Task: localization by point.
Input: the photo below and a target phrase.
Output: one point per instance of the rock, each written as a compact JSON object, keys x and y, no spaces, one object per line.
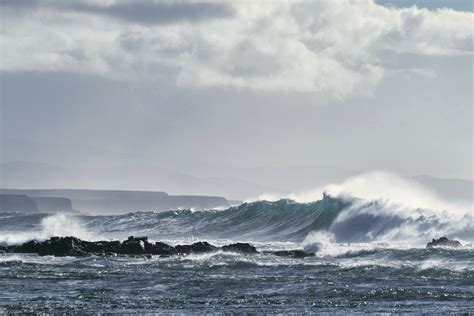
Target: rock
{"x":160,"y":248}
{"x":292,"y":253}
{"x":443,"y":242}
{"x":240,"y":248}
{"x":197,"y":247}
{"x":134,"y":246}
{"x":67,"y":246}
{"x":104,"y":247}
{"x":30,"y":246}
{"x":72,"y":246}
{"x":56,"y":246}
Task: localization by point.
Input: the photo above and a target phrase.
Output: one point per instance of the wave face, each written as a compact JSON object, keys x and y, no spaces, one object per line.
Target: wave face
{"x":384,"y":222}
{"x":284,"y":220}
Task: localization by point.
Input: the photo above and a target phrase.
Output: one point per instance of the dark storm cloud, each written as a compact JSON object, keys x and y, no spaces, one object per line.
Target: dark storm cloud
{"x":142,"y":12}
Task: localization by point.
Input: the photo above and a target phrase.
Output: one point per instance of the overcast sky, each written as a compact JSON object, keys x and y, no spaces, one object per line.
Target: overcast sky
{"x":358,"y":85}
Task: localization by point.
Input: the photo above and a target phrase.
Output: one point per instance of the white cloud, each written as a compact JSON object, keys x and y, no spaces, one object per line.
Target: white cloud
{"x":328,"y":47}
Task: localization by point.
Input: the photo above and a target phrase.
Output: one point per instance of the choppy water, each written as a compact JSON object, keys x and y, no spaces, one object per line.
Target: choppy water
{"x":370,"y":256}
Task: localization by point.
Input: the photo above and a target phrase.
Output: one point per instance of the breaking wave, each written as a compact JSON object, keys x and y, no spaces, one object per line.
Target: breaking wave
{"x":18,"y":228}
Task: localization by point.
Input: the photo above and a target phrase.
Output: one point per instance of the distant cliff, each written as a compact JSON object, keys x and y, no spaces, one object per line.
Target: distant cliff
{"x":17,"y":203}
{"x":112,"y":201}
{"x":22,"y":203}
{"x":53,"y":204}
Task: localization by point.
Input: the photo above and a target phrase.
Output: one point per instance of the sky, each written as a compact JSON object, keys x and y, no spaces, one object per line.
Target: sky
{"x":212,"y":88}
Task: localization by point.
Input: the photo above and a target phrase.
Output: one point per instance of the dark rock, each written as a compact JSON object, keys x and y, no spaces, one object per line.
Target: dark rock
{"x":71,"y":246}
{"x":160,"y":248}
{"x":104,"y":247}
{"x":197,"y":247}
{"x":56,"y":246}
{"x":240,"y":248}
{"x":443,"y":242}
{"x":30,"y":246}
{"x":134,"y":246}
{"x":66,"y":246}
{"x":292,"y":253}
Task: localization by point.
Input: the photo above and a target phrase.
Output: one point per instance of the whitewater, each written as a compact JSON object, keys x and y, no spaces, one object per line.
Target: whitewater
{"x":368,"y":234}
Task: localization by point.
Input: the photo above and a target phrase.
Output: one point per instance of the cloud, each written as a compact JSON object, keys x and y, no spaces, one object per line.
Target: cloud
{"x":334,"y":49}
{"x":459,"y":5}
{"x":137,"y":11}
{"x":151,"y":12}
{"x":19,"y":4}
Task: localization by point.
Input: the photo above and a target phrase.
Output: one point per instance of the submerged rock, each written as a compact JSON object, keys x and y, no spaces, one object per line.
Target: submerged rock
{"x":443,"y":242}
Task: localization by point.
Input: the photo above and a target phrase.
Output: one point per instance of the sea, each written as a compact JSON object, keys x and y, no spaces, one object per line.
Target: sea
{"x":370,"y":257}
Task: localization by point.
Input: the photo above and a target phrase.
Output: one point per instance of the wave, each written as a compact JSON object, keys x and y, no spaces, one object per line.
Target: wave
{"x":283,"y":220}
{"x":16,"y":228}
{"x":344,"y":220}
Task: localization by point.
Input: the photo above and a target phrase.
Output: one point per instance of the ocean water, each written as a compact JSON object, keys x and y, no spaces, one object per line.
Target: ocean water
{"x":370,"y":257}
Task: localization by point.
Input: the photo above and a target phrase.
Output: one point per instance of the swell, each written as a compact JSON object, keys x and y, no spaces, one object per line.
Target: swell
{"x":283,"y":220}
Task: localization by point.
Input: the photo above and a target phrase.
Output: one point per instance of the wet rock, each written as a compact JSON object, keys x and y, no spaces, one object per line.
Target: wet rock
{"x":443,"y":242}
{"x":160,"y":248}
{"x":292,"y":253}
{"x":30,"y":246}
{"x":104,"y":247}
{"x":55,"y":246}
{"x":67,"y":246}
{"x":240,"y":248}
{"x":197,"y":247}
{"x":134,"y":246}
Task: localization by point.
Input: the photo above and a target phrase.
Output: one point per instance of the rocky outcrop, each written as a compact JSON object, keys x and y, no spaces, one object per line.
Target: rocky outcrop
{"x":443,"y":242}
{"x":240,"y":248}
{"x":198,"y":247}
{"x":72,"y":246}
